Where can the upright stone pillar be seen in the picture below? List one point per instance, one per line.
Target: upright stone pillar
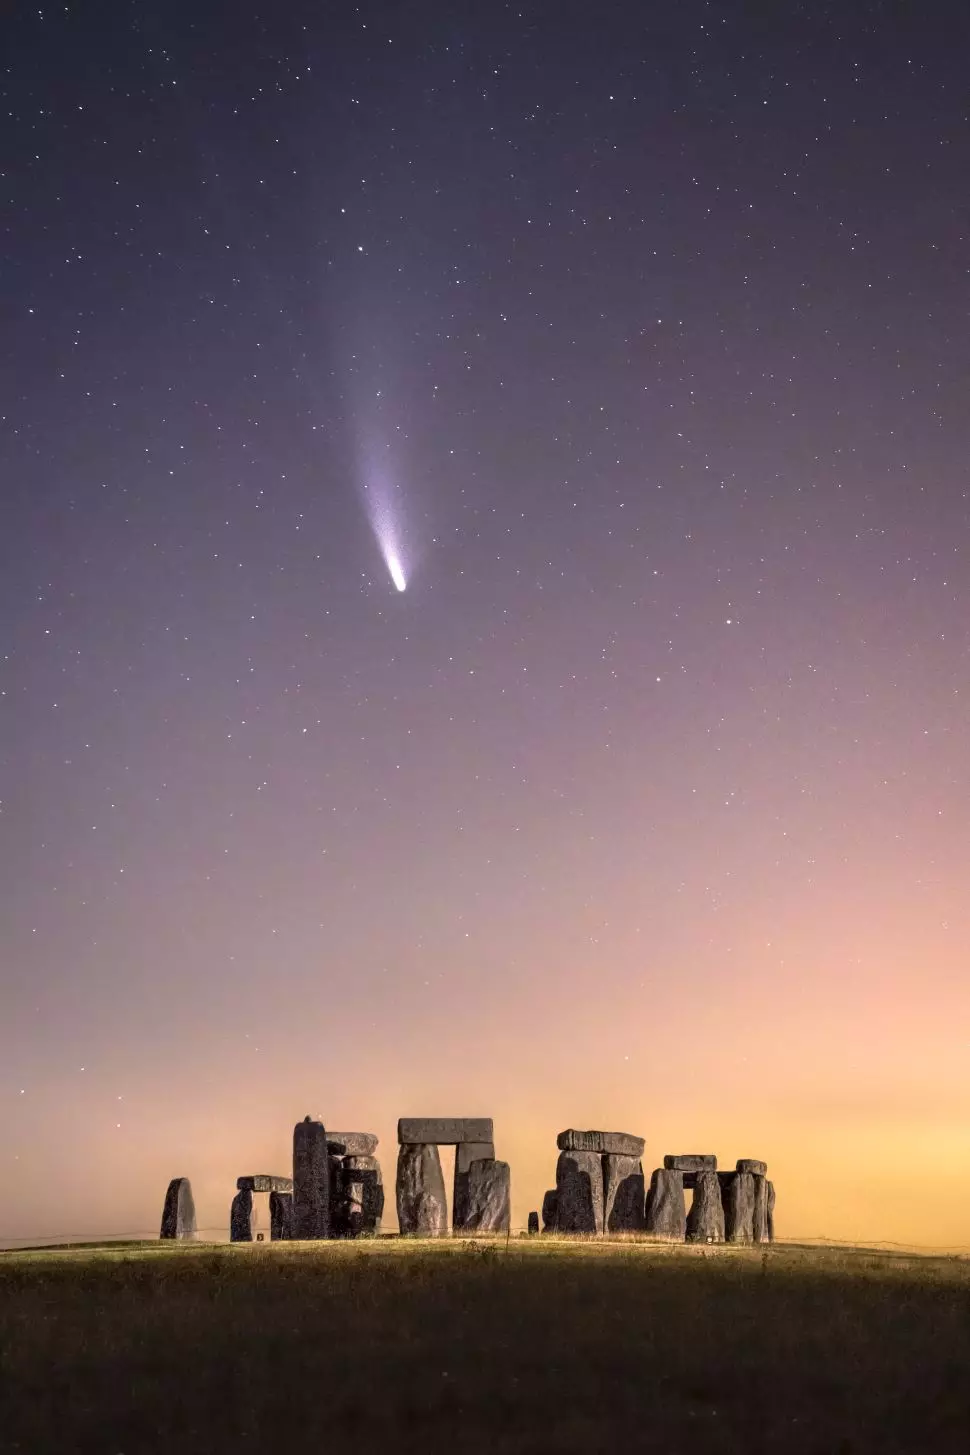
(489, 1205)
(533, 1223)
(178, 1214)
(666, 1214)
(759, 1209)
(579, 1192)
(241, 1218)
(705, 1221)
(771, 1211)
(465, 1154)
(623, 1193)
(550, 1211)
(422, 1210)
(311, 1181)
(737, 1194)
(280, 1216)
(363, 1191)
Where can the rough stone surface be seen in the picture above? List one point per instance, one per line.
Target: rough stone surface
(178, 1214)
(691, 1162)
(759, 1210)
(705, 1221)
(264, 1182)
(351, 1144)
(623, 1193)
(363, 1196)
(579, 1185)
(533, 1222)
(421, 1206)
(465, 1154)
(737, 1195)
(311, 1180)
(489, 1207)
(280, 1216)
(623, 1144)
(770, 1211)
(666, 1214)
(550, 1210)
(444, 1131)
(338, 1201)
(752, 1165)
(241, 1218)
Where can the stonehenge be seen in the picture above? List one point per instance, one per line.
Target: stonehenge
(178, 1213)
(481, 1197)
(421, 1207)
(599, 1184)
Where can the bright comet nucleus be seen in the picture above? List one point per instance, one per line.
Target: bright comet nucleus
(395, 568)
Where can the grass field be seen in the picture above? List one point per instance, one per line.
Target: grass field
(457, 1347)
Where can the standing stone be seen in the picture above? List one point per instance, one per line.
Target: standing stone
(579, 1188)
(533, 1223)
(770, 1211)
(311, 1181)
(363, 1194)
(550, 1211)
(759, 1210)
(280, 1216)
(465, 1154)
(421, 1206)
(178, 1214)
(666, 1215)
(241, 1218)
(489, 1207)
(338, 1196)
(624, 1144)
(705, 1221)
(737, 1194)
(623, 1193)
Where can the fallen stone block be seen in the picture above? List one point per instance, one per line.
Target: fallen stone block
(363, 1195)
(444, 1131)
(280, 1216)
(241, 1218)
(622, 1144)
(465, 1154)
(421, 1207)
(705, 1221)
(178, 1212)
(579, 1189)
(264, 1182)
(752, 1165)
(691, 1162)
(550, 1210)
(666, 1212)
(737, 1195)
(489, 1207)
(311, 1180)
(623, 1193)
(351, 1144)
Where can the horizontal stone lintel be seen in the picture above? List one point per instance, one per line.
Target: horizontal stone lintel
(622, 1144)
(751, 1164)
(264, 1182)
(691, 1162)
(446, 1131)
(352, 1144)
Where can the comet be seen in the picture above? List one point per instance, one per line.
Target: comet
(393, 562)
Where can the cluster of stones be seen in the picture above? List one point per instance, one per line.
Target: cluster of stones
(338, 1190)
(600, 1188)
(482, 1189)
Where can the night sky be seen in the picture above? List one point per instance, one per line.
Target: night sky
(638, 338)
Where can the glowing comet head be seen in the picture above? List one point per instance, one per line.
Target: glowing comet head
(395, 568)
(390, 550)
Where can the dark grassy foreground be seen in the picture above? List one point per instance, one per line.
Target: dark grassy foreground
(458, 1348)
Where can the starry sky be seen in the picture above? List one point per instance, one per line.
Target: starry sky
(636, 337)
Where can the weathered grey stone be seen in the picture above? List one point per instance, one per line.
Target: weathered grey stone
(550, 1210)
(444, 1131)
(752, 1165)
(421, 1206)
(178, 1214)
(311, 1180)
(533, 1222)
(759, 1209)
(705, 1221)
(623, 1144)
(579, 1188)
(241, 1218)
(280, 1216)
(666, 1214)
(737, 1195)
(489, 1208)
(770, 1211)
(338, 1199)
(465, 1154)
(691, 1162)
(363, 1196)
(623, 1193)
(352, 1144)
(264, 1182)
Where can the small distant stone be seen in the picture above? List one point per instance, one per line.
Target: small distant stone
(533, 1222)
(623, 1144)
